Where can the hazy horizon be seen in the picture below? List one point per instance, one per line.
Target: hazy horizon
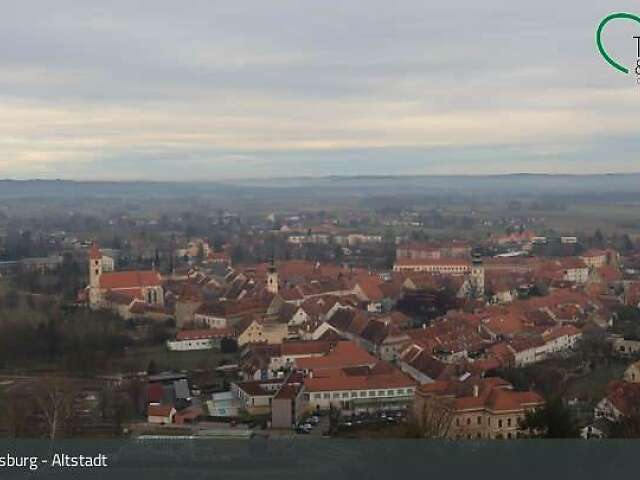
(380, 176)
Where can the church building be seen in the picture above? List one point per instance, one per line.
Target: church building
(137, 285)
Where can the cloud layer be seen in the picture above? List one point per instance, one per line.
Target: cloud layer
(213, 90)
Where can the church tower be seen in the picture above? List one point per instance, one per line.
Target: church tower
(95, 270)
(477, 276)
(272, 278)
(95, 265)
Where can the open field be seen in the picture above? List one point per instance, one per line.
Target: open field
(620, 218)
(140, 358)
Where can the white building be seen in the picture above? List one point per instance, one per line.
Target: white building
(191, 340)
(450, 266)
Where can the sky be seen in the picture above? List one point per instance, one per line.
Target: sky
(215, 90)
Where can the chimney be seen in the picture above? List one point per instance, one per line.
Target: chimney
(476, 390)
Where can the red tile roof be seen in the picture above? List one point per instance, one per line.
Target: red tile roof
(288, 391)
(305, 348)
(561, 331)
(130, 279)
(624, 396)
(94, 252)
(344, 354)
(506, 323)
(458, 262)
(454, 333)
(564, 263)
(205, 333)
(159, 410)
(502, 353)
(123, 297)
(521, 344)
(155, 393)
(371, 287)
(609, 274)
(494, 394)
(365, 379)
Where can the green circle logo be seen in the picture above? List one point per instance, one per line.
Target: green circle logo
(603, 52)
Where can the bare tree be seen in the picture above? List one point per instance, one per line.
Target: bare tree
(434, 417)
(55, 398)
(16, 415)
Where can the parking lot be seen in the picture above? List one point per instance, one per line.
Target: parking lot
(355, 421)
(319, 427)
(351, 422)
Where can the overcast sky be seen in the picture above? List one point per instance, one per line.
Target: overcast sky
(228, 89)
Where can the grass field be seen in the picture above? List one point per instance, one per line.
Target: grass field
(140, 358)
(135, 360)
(575, 218)
(585, 217)
(621, 218)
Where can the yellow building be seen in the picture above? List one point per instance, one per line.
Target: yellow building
(259, 331)
(486, 408)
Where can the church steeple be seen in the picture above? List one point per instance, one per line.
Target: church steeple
(95, 265)
(272, 278)
(477, 275)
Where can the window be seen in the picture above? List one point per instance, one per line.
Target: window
(508, 422)
(345, 395)
(326, 395)
(479, 420)
(389, 392)
(457, 422)
(499, 423)
(400, 391)
(336, 395)
(354, 394)
(380, 393)
(372, 393)
(363, 394)
(468, 421)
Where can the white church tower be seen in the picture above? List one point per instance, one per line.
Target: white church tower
(95, 271)
(95, 265)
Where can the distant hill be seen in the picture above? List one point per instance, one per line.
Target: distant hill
(525, 185)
